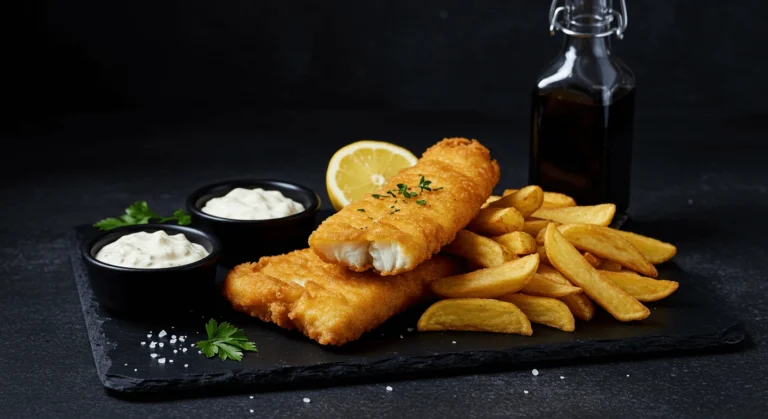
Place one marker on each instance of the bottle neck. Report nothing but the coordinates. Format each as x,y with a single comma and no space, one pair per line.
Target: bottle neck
598,47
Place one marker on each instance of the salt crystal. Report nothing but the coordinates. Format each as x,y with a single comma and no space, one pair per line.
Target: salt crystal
306,400
453,342
173,341
161,361
186,365
175,351
535,371
173,336
161,334
627,375
135,369
126,364
149,335
171,361
182,339
199,352
389,388
183,349
525,391
410,329
251,410
152,345
401,336
143,343
562,378
153,355
251,397
161,344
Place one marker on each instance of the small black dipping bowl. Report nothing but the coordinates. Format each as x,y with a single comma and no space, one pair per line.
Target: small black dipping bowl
248,240
144,293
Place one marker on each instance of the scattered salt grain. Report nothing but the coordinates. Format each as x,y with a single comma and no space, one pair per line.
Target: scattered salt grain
173,336
126,364
562,378
535,371
149,335
389,388
153,355
173,341
250,397
251,410
161,344
183,349
182,339
161,361
152,345
410,329
186,365
143,343
401,336
175,351
453,342
172,327
162,334
525,391
199,352
627,375
306,400
135,369
171,361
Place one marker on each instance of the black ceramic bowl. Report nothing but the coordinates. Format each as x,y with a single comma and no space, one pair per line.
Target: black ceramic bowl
143,293
248,240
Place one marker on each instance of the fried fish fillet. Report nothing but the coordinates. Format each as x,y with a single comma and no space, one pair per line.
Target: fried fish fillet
394,233
327,302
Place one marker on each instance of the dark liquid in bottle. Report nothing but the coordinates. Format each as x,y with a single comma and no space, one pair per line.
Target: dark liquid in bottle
582,147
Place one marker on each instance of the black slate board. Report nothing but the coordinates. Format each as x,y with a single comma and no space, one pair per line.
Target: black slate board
687,320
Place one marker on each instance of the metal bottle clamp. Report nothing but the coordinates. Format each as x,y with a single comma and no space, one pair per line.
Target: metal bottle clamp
611,15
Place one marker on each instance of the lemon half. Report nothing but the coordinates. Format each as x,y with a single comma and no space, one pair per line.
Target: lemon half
363,167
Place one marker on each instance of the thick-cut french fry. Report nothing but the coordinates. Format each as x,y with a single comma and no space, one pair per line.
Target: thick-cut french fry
540,236
603,242
595,214
654,251
475,314
517,242
526,200
566,259
489,282
477,249
553,274
542,310
580,305
533,227
542,252
497,221
610,265
642,288
544,286
593,260
551,199
489,200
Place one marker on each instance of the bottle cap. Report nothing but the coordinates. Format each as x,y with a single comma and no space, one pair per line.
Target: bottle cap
588,18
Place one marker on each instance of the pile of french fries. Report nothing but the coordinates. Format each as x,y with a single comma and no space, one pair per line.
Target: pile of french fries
537,257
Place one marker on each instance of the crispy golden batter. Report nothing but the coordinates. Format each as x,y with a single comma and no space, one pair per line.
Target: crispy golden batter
327,302
394,235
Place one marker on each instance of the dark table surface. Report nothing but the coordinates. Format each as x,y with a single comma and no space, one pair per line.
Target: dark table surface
700,181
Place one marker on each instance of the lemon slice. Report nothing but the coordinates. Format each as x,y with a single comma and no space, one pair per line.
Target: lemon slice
363,167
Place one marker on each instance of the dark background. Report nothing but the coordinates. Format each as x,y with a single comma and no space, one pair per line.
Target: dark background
109,102
455,55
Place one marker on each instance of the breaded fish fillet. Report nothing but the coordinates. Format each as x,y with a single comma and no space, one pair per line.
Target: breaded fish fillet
327,302
394,234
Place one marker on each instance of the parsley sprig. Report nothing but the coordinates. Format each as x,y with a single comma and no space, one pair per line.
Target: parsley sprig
225,340
139,213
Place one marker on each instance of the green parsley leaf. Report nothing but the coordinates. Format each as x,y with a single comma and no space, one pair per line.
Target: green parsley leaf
140,213
392,193
226,341
421,202
377,196
361,209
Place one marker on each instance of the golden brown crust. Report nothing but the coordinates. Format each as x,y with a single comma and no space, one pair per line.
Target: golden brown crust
333,305
465,172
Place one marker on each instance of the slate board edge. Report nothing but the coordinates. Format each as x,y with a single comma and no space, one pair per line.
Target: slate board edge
92,320
437,364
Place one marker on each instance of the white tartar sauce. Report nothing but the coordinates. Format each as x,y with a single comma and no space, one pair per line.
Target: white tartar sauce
151,251
252,204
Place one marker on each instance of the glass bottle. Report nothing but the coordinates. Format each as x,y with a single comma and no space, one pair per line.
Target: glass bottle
583,109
